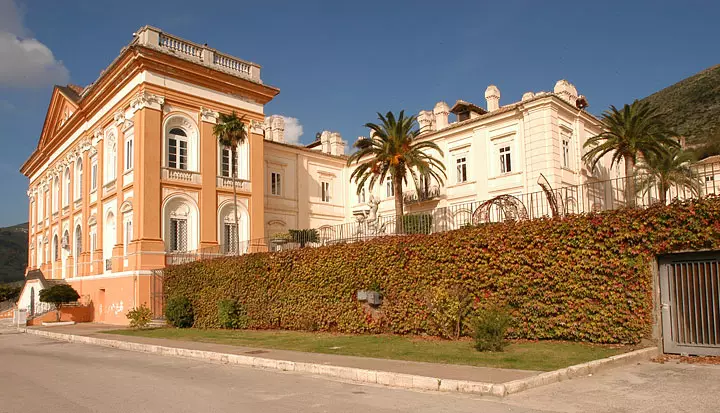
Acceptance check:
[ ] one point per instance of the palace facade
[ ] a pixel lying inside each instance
(127, 170)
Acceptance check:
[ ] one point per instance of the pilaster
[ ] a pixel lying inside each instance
(257, 179)
(208, 172)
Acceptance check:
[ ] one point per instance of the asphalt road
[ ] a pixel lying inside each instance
(42, 375)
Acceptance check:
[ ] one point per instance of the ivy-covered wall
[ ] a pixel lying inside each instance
(585, 278)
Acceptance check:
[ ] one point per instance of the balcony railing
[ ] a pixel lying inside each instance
(421, 195)
(227, 182)
(202, 54)
(171, 174)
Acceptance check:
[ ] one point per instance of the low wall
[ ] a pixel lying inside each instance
(78, 314)
(585, 277)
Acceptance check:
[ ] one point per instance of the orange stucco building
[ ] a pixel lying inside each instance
(128, 168)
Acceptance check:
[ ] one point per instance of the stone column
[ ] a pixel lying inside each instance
(86, 255)
(208, 172)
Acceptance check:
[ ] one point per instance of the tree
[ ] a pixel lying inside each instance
(58, 295)
(303, 236)
(667, 170)
(394, 151)
(231, 132)
(9, 292)
(632, 132)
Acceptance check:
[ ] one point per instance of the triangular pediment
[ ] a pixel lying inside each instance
(63, 105)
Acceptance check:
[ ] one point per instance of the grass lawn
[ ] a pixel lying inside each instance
(525, 355)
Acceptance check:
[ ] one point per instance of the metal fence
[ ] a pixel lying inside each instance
(639, 191)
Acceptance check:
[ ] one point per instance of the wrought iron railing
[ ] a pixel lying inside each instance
(593, 196)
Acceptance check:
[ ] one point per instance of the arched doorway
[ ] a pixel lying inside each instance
(32, 301)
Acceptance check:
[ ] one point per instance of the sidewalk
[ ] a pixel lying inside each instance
(393, 373)
(443, 371)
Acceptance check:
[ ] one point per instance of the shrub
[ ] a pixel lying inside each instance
(231, 314)
(490, 327)
(139, 317)
(58, 295)
(304, 236)
(417, 224)
(585, 277)
(447, 309)
(179, 312)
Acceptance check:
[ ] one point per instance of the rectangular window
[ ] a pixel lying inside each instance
(128, 236)
(505, 160)
(177, 154)
(362, 196)
(128, 153)
(93, 175)
(389, 192)
(710, 178)
(226, 166)
(275, 184)
(566, 153)
(231, 239)
(178, 234)
(325, 189)
(461, 164)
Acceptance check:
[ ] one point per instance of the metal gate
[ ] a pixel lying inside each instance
(690, 295)
(157, 295)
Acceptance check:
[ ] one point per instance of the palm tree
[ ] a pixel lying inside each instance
(393, 151)
(667, 170)
(231, 132)
(635, 130)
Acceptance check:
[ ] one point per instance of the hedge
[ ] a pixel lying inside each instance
(584, 278)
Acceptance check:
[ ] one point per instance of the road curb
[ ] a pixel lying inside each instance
(385, 378)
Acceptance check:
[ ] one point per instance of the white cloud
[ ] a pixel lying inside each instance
(25, 61)
(293, 129)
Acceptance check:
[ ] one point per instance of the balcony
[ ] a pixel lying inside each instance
(202, 54)
(421, 195)
(227, 182)
(180, 175)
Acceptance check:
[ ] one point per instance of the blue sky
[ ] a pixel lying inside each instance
(337, 63)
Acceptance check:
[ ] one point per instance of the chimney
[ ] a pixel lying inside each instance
(441, 113)
(492, 95)
(566, 91)
(325, 141)
(426, 120)
(337, 145)
(277, 126)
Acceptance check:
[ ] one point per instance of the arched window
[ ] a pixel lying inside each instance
(180, 224)
(110, 157)
(177, 149)
(78, 179)
(78, 241)
(109, 239)
(56, 194)
(66, 191)
(56, 248)
(232, 233)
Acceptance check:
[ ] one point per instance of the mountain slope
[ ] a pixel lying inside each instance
(13, 252)
(692, 106)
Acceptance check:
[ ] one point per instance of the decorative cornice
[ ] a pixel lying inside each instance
(257, 127)
(97, 137)
(209, 115)
(127, 125)
(119, 117)
(146, 99)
